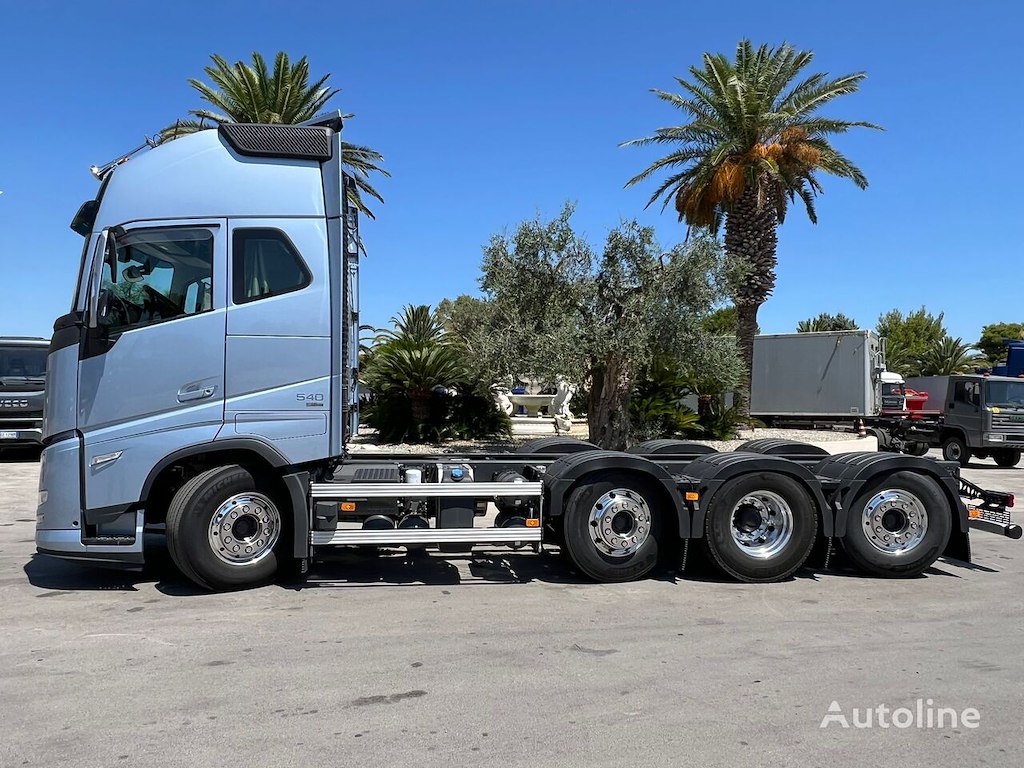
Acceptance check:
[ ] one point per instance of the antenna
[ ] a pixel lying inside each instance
(101, 171)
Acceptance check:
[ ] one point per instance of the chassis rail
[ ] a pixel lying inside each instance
(992, 514)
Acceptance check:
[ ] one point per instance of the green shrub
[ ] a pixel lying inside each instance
(656, 409)
(721, 422)
(460, 416)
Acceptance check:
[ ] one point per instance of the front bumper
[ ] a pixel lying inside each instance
(68, 544)
(20, 436)
(995, 440)
(60, 523)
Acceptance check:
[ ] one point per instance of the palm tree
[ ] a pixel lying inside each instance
(251, 94)
(948, 356)
(752, 144)
(417, 324)
(416, 369)
(827, 322)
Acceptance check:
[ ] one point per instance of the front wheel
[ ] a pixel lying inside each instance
(1007, 457)
(222, 531)
(760, 527)
(612, 525)
(898, 526)
(955, 449)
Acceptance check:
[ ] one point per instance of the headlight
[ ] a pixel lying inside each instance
(995, 437)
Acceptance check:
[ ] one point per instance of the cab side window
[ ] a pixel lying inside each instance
(264, 263)
(157, 275)
(967, 392)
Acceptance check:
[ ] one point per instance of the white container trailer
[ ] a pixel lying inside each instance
(833, 376)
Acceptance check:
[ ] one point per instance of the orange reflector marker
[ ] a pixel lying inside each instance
(974, 512)
(348, 506)
(692, 496)
(532, 522)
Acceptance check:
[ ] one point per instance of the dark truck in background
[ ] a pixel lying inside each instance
(971, 416)
(22, 390)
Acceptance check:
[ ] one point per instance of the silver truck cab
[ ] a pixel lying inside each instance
(216, 270)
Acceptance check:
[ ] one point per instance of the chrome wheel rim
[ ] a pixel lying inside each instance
(244, 529)
(620, 522)
(895, 521)
(762, 524)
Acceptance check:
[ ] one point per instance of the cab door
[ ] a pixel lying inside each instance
(151, 375)
(965, 410)
(278, 380)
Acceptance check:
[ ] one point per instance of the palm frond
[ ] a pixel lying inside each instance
(252, 93)
(753, 125)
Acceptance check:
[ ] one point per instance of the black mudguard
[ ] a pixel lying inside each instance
(851, 471)
(666, 447)
(563, 475)
(297, 484)
(711, 473)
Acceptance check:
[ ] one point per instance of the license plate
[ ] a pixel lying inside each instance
(8, 435)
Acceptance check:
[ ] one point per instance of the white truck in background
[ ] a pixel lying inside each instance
(829, 378)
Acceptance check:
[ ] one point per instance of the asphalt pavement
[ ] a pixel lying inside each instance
(506, 660)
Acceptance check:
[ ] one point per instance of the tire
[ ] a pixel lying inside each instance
(1007, 457)
(632, 508)
(742, 534)
(955, 449)
(917, 498)
(231, 493)
(916, 449)
(556, 445)
(666, 447)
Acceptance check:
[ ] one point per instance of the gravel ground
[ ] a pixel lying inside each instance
(366, 441)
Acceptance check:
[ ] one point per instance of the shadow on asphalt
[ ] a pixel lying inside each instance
(347, 569)
(57, 575)
(358, 568)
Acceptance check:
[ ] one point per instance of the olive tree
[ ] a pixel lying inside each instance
(556, 307)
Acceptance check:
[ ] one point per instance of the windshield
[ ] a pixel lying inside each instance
(1009, 394)
(892, 389)
(21, 363)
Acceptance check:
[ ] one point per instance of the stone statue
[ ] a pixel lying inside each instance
(500, 393)
(560, 405)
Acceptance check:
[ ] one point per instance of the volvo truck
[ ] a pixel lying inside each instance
(22, 381)
(203, 386)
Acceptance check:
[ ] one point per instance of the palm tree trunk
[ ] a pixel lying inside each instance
(746, 329)
(751, 239)
(420, 406)
(608, 414)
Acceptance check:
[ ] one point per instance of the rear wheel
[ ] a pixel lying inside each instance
(1007, 457)
(898, 525)
(222, 531)
(612, 525)
(760, 527)
(955, 449)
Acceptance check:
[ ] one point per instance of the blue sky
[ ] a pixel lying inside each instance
(490, 112)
